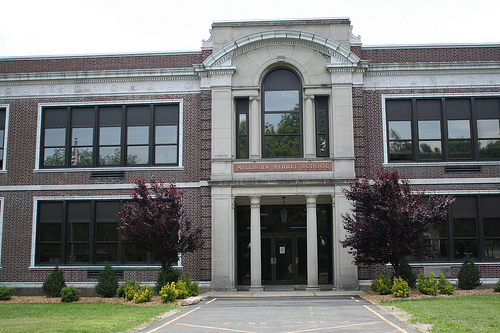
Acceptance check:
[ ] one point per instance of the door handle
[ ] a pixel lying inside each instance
(273, 261)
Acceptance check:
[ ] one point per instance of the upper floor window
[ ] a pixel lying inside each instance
(3, 113)
(110, 135)
(242, 128)
(443, 129)
(322, 137)
(282, 114)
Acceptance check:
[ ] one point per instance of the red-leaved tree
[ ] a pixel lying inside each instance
(388, 220)
(154, 221)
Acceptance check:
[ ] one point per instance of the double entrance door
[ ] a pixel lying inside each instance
(284, 258)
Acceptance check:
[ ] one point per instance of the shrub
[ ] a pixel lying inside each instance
(406, 273)
(168, 293)
(192, 287)
(54, 283)
(496, 286)
(400, 288)
(107, 282)
(134, 292)
(427, 284)
(182, 291)
(172, 275)
(144, 294)
(6, 293)
(120, 291)
(469, 275)
(382, 285)
(445, 286)
(70, 294)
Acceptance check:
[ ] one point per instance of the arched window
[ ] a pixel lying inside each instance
(282, 114)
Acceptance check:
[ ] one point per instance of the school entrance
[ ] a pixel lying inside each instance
(283, 244)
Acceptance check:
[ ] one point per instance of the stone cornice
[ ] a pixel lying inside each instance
(162, 73)
(398, 68)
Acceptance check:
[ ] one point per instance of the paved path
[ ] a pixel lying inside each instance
(263, 312)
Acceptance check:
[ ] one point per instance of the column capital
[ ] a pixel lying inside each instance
(255, 202)
(311, 201)
(306, 97)
(254, 98)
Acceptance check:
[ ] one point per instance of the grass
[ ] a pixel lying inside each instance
(454, 314)
(81, 317)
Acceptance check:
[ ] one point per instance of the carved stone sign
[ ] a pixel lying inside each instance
(282, 167)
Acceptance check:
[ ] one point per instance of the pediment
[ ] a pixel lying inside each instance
(338, 54)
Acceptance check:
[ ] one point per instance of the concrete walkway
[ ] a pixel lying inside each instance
(280, 312)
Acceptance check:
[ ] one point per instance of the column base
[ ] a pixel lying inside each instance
(256, 288)
(312, 288)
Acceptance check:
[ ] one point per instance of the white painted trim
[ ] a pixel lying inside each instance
(454, 181)
(89, 187)
(98, 55)
(428, 46)
(5, 135)
(180, 102)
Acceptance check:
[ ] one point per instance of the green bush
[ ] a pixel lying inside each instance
(469, 276)
(134, 292)
(182, 291)
(400, 288)
(6, 293)
(120, 292)
(144, 294)
(70, 294)
(172, 275)
(406, 273)
(168, 293)
(54, 283)
(496, 286)
(427, 284)
(445, 286)
(107, 282)
(382, 285)
(192, 287)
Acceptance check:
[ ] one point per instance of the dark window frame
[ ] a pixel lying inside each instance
(242, 139)
(321, 106)
(93, 241)
(279, 86)
(446, 116)
(70, 157)
(3, 137)
(463, 240)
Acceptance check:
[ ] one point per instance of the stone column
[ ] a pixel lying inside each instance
(312, 244)
(255, 247)
(254, 127)
(309, 127)
(334, 241)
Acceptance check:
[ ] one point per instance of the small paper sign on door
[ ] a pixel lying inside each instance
(282, 250)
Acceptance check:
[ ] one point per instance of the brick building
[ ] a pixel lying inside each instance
(262, 128)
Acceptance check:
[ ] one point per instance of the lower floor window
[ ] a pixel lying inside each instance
(472, 229)
(83, 232)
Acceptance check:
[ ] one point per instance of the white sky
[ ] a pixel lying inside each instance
(55, 27)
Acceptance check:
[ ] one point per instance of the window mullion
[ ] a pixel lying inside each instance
(152, 132)
(414, 131)
(444, 122)
(474, 134)
(67, 160)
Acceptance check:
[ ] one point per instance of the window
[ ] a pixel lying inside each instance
(282, 114)
(472, 229)
(3, 112)
(125, 135)
(242, 128)
(322, 145)
(82, 233)
(443, 129)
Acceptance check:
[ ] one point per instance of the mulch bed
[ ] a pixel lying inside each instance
(376, 298)
(43, 299)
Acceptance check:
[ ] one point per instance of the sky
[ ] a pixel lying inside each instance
(69, 27)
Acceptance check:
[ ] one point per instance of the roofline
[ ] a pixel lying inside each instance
(319, 20)
(98, 55)
(429, 46)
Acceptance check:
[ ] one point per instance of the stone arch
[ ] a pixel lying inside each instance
(338, 53)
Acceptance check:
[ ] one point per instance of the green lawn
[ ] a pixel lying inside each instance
(75, 317)
(479, 313)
